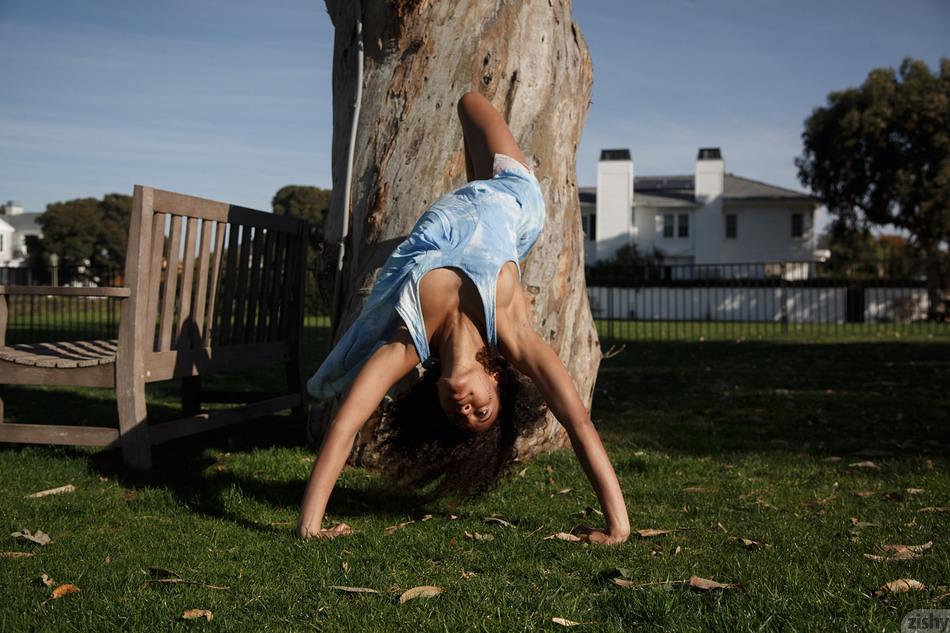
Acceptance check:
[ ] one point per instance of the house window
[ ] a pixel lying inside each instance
(798, 224)
(732, 225)
(667, 225)
(589, 226)
(682, 225)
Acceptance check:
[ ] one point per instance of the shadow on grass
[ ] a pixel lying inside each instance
(876, 399)
(819, 398)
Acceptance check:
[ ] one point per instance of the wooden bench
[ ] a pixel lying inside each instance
(210, 287)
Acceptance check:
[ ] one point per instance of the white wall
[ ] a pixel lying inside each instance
(765, 233)
(803, 305)
(614, 206)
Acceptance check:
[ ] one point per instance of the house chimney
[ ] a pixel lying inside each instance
(710, 169)
(614, 201)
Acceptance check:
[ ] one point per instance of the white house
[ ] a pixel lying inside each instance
(709, 217)
(15, 227)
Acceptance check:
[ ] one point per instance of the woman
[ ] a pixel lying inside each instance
(455, 283)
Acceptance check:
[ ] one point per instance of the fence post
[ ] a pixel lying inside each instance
(784, 298)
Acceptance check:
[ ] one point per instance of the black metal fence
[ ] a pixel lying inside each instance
(758, 300)
(644, 302)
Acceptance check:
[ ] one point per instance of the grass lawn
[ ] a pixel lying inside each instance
(718, 441)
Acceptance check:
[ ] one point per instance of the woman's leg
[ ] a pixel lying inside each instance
(485, 134)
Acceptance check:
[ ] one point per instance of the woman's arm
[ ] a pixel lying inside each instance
(388, 364)
(531, 355)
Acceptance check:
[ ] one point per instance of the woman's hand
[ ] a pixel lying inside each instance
(603, 537)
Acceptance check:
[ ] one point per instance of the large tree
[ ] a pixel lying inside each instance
(311, 204)
(879, 154)
(530, 60)
(88, 235)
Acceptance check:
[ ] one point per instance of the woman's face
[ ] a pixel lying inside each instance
(469, 398)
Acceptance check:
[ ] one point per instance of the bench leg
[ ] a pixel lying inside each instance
(133, 423)
(295, 384)
(190, 395)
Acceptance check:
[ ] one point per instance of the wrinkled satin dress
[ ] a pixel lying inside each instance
(476, 228)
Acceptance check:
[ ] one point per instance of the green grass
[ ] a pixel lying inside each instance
(756, 424)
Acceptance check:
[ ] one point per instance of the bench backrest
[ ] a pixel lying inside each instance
(214, 286)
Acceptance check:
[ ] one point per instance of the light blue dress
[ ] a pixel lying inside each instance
(476, 228)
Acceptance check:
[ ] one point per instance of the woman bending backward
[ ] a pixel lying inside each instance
(450, 293)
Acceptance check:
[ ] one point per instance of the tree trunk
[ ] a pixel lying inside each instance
(421, 56)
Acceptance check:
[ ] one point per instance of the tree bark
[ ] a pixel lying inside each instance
(421, 56)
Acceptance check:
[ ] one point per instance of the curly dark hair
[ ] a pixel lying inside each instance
(428, 449)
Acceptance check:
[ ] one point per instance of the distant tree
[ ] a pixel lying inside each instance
(311, 204)
(860, 253)
(879, 154)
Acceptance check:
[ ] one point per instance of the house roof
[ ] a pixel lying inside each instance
(678, 191)
(23, 222)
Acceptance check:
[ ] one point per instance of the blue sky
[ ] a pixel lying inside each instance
(230, 99)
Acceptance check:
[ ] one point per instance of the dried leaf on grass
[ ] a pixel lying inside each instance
(340, 529)
(694, 582)
(62, 590)
(863, 493)
(934, 509)
(477, 536)
(751, 544)
(702, 489)
(864, 464)
(901, 585)
(392, 528)
(900, 552)
(47, 581)
(16, 554)
(705, 584)
(346, 589)
(562, 536)
(52, 491)
(163, 576)
(588, 511)
(425, 591)
(564, 622)
(648, 532)
(194, 614)
(499, 521)
(39, 537)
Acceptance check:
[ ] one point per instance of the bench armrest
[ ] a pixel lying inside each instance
(66, 291)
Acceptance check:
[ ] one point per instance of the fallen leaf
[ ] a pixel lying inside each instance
(705, 584)
(722, 527)
(648, 532)
(900, 552)
(914, 491)
(52, 491)
(164, 576)
(476, 536)
(677, 550)
(353, 589)
(564, 491)
(425, 591)
(562, 536)
(194, 614)
(620, 572)
(39, 537)
(346, 567)
(863, 493)
(467, 575)
(697, 489)
(16, 554)
(900, 585)
(47, 581)
(564, 622)
(832, 459)
(426, 517)
(623, 582)
(340, 529)
(453, 517)
(392, 528)
(864, 464)
(586, 512)
(499, 521)
(934, 509)
(107, 560)
(63, 590)
(751, 544)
